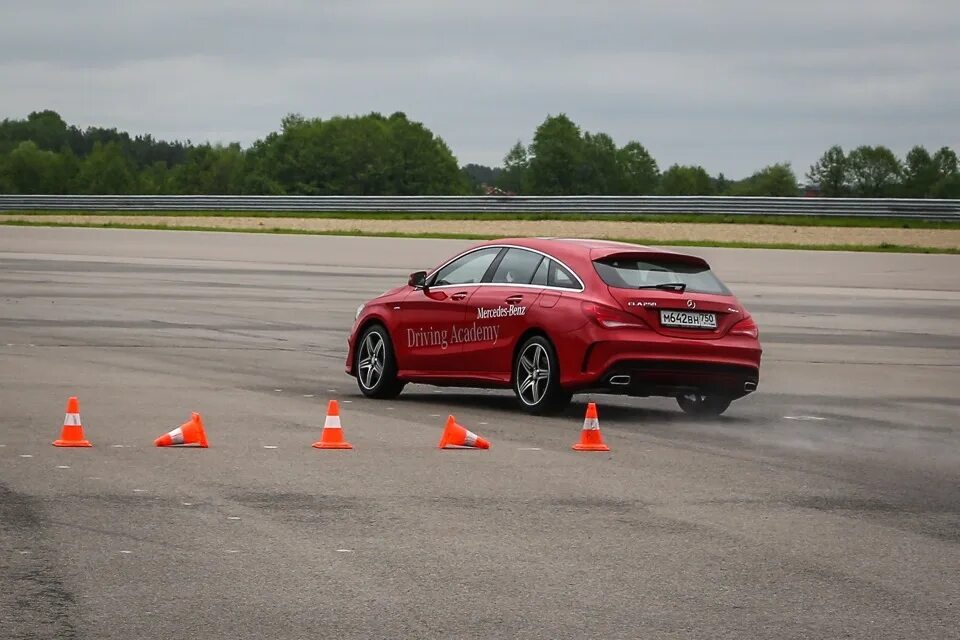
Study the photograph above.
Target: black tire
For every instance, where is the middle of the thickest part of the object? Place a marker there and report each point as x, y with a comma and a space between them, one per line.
701, 406
536, 361
380, 382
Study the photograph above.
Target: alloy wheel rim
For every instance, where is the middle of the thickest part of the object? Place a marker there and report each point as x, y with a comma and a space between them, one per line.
533, 374
371, 361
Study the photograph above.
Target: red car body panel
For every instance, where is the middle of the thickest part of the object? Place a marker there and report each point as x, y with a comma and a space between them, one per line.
467, 335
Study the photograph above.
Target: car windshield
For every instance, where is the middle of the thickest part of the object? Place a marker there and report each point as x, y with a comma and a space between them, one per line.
632, 273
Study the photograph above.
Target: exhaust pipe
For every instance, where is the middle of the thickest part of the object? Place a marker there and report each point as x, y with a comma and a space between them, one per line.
620, 381
749, 386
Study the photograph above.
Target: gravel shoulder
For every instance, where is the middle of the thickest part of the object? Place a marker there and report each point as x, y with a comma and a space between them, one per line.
650, 231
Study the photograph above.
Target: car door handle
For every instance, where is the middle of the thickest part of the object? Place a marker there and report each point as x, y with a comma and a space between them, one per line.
460, 295
514, 299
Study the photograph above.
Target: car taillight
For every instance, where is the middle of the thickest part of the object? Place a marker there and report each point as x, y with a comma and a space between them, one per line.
746, 327
611, 318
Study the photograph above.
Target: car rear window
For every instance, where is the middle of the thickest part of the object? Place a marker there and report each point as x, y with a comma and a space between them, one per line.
632, 273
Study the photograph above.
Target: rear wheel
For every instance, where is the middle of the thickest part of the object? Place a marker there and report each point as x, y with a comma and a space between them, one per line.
536, 377
697, 404
376, 365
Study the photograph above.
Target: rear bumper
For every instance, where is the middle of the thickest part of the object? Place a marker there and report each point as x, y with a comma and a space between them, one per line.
645, 363
673, 378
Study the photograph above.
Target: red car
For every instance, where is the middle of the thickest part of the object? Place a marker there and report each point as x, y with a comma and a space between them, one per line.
555, 317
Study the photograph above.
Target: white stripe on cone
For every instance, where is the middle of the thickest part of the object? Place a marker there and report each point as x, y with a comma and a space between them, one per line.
591, 424
71, 420
177, 436
332, 422
471, 439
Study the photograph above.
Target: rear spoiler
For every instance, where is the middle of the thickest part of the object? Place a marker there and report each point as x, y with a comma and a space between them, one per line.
651, 256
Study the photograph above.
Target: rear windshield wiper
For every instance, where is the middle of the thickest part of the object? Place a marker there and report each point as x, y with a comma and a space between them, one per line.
679, 287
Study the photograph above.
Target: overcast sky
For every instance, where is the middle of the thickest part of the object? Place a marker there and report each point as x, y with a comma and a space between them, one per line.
732, 85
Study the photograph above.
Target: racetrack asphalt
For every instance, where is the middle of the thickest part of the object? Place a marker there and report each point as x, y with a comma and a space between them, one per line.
826, 505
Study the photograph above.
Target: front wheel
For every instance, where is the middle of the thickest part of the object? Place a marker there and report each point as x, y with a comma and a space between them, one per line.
376, 364
536, 377
697, 404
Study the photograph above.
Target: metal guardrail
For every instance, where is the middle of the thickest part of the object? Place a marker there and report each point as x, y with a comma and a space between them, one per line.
600, 205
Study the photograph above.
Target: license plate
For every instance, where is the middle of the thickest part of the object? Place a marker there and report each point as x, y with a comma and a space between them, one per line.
688, 319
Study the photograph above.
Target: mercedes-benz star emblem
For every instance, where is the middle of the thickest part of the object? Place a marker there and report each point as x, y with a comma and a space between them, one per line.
691, 304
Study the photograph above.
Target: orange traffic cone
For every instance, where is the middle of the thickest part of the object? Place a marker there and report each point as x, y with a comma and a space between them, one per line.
456, 437
590, 438
72, 433
189, 433
332, 435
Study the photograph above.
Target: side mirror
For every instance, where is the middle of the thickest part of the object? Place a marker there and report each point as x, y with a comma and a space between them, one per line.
418, 280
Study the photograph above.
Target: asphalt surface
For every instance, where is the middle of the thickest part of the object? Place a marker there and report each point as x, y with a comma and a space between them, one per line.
826, 505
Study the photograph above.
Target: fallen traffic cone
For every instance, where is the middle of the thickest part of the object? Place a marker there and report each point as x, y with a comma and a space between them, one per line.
332, 435
189, 433
72, 433
456, 437
590, 438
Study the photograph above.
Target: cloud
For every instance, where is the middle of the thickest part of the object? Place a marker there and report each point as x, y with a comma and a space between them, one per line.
733, 85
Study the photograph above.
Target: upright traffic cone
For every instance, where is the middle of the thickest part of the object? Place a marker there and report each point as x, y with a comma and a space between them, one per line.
332, 435
456, 437
190, 433
72, 433
590, 438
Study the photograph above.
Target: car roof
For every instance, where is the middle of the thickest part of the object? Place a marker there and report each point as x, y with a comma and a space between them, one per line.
594, 249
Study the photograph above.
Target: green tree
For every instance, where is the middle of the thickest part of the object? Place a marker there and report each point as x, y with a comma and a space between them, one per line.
599, 173
106, 171
556, 157
830, 172
774, 180
685, 181
516, 164
948, 174
919, 174
874, 171
637, 170
156, 180
30, 170
211, 170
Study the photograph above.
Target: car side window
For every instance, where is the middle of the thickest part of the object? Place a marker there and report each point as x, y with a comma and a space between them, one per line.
540, 277
560, 277
518, 266
467, 269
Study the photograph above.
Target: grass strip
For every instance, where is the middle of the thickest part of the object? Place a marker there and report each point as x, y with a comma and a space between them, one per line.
884, 247
796, 221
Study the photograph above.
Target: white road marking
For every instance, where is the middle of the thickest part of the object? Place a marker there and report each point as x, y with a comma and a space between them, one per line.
24, 553
25, 455
434, 415
62, 466
269, 446
118, 446
308, 395
344, 550
529, 449
187, 504
125, 551
484, 423
804, 418
347, 401
233, 517
331, 390
139, 490
2, 445
93, 478
232, 550
278, 390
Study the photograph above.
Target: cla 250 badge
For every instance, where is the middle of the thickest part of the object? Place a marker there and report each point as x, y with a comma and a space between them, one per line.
641, 303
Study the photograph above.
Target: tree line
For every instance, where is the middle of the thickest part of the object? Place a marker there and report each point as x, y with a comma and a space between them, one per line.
374, 154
